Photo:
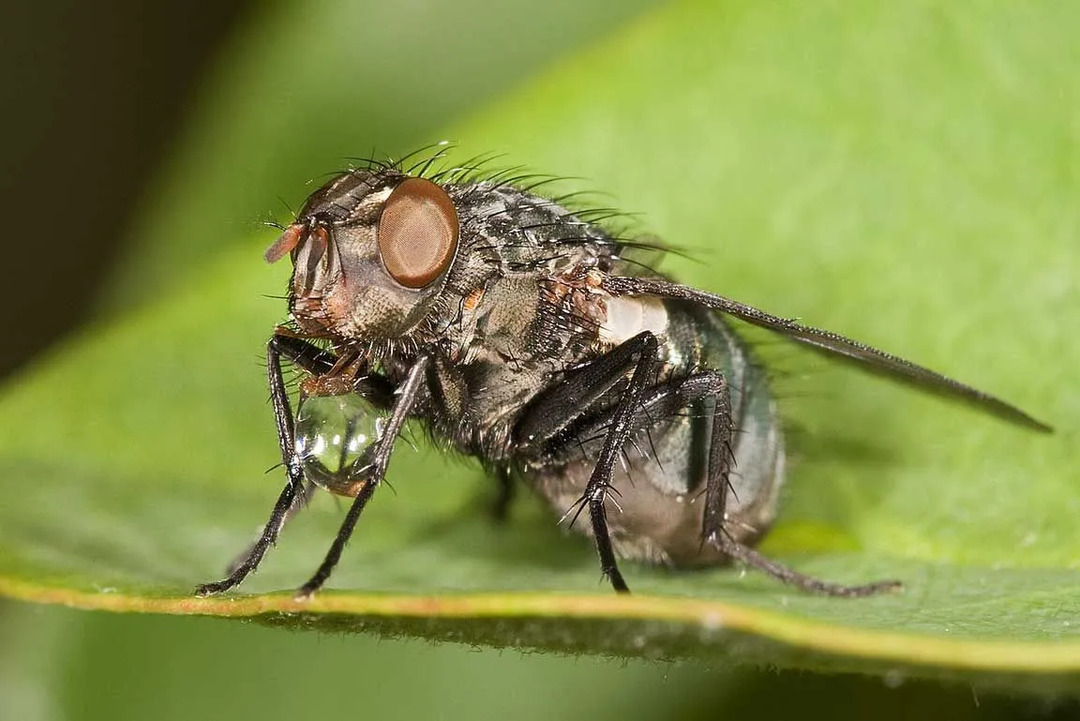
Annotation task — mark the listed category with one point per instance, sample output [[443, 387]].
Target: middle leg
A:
[[560, 409]]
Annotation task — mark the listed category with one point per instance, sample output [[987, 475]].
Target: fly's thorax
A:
[[531, 329], [560, 318]]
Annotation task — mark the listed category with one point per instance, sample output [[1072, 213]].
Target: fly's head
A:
[[371, 251]]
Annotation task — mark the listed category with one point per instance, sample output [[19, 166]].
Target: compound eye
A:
[[418, 232]]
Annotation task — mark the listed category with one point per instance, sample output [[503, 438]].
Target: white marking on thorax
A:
[[626, 317]]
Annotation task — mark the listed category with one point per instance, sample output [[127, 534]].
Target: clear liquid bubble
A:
[[335, 439]]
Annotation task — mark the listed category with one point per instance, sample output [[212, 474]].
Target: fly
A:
[[518, 332]]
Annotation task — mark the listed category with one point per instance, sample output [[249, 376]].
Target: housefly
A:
[[519, 332]]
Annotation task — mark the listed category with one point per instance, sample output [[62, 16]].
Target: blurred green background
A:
[[160, 133]]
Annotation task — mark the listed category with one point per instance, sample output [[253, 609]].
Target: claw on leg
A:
[[780, 572]]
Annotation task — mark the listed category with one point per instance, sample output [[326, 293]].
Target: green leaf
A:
[[905, 175]]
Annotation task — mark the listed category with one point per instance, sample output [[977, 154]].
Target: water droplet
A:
[[334, 437]]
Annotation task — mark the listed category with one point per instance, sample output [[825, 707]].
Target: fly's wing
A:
[[831, 344]]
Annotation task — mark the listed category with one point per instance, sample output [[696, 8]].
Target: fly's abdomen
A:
[[657, 506]]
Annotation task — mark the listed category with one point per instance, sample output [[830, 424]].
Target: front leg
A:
[[289, 501], [316, 362], [408, 394]]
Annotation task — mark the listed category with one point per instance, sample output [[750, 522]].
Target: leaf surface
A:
[[903, 175]]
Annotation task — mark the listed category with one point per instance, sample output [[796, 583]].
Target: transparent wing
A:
[[831, 343]]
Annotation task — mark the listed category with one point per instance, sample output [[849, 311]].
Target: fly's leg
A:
[[708, 391], [717, 487], [561, 407], [720, 430], [294, 497], [299, 503], [780, 572], [409, 393], [288, 501]]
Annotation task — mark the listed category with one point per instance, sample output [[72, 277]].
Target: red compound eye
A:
[[418, 232]]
